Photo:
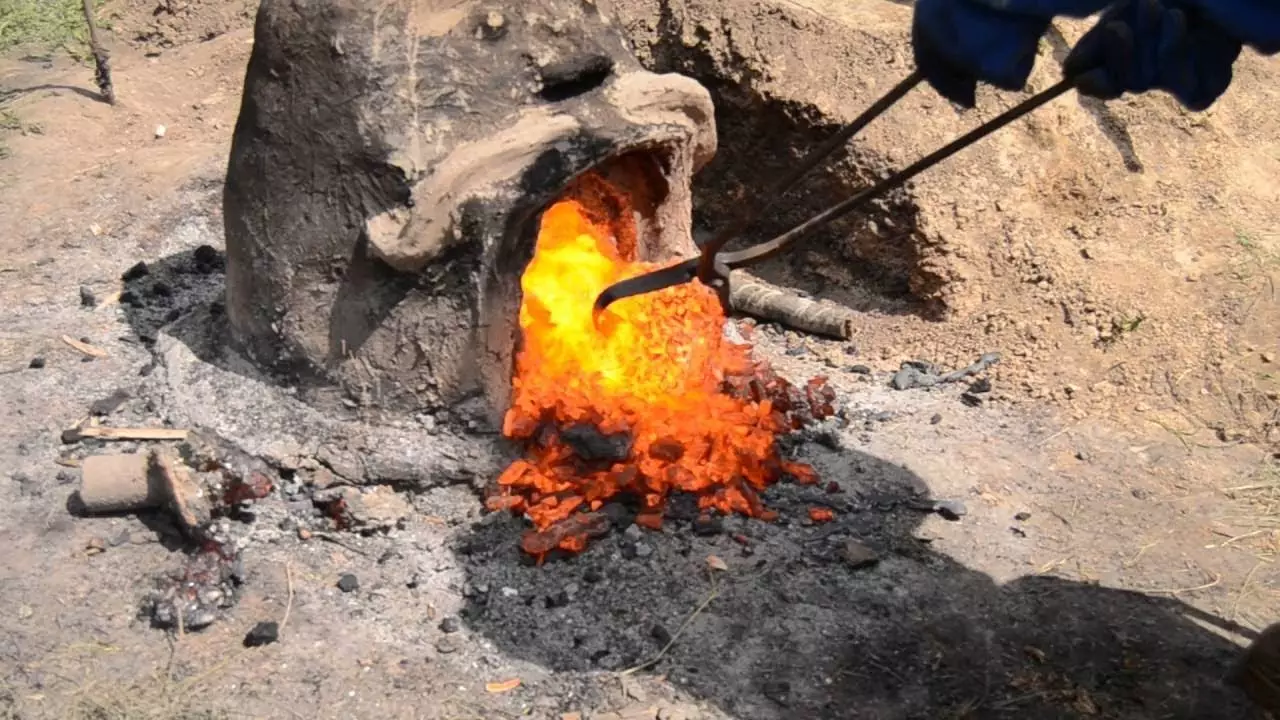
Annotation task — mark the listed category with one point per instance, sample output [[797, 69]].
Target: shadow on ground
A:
[[801, 628]]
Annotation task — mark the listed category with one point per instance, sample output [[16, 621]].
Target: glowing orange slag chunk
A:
[[651, 367]]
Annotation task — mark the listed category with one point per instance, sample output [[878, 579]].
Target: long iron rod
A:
[[805, 166], [687, 270]]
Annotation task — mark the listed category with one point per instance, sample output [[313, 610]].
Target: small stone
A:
[[139, 270], [983, 385], [1139, 493], [632, 533], [706, 525], [109, 404], [348, 583], [264, 633], [304, 534], [1022, 516], [643, 550], [778, 691], [883, 416], [160, 131], [120, 538], [1268, 357], [857, 555], [661, 634], [951, 510], [970, 399], [509, 592], [448, 644], [860, 369], [207, 259], [450, 625], [25, 611], [36, 363], [937, 418], [95, 546], [87, 298]]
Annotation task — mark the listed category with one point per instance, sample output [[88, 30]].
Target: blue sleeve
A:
[[1255, 23]]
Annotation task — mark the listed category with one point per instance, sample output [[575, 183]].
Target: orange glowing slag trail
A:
[[652, 369]]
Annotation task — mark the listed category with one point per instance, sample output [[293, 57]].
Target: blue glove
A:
[[958, 43], [1142, 45]]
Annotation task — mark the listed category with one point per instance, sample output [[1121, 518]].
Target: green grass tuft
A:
[[45, 25]]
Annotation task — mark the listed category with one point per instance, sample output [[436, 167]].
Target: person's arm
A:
[[1187, 48], [959, 43], [1255, 23]]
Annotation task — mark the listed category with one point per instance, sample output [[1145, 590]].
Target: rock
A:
[[36, 363], [160, 131], [87, 298], [679, 712], [348, 583], [661, 634], [707, 525], [910, 377], [937, 418], [1022, 516], [857, 555], [139, 270], [94, 546], [380, 508], [592, 445], [778, 691], [110, 404], [450, 625], [207, 259], [1268, 357], [448, 644], [860, 369], [951, 510], [643, 550], [982, 385], [970, 399], [264, 633]]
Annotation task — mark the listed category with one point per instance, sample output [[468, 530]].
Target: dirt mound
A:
[[157, 25], [1116, 253]]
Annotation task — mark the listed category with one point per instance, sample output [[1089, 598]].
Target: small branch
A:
[[101, 58], [715, 591], [288, 607], [752, 296]]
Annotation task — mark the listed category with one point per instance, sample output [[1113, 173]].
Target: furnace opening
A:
[[644, 402]]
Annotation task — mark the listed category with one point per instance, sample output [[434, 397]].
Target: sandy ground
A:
[[1120, 492]]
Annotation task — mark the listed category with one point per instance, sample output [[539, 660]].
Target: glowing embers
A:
[[646, 400]]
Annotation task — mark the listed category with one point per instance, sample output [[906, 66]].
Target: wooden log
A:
[[752, 296]]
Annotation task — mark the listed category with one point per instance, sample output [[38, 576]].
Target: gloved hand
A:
[[958, 43], [1142, 45]]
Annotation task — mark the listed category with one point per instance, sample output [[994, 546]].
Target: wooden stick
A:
[[101, 58], [752, 296], [84, 348], [137, 433]]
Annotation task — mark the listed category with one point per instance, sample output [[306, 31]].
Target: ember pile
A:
[[647, 400]]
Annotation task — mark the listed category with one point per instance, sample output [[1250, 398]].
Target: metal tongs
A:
[[712, 266]]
